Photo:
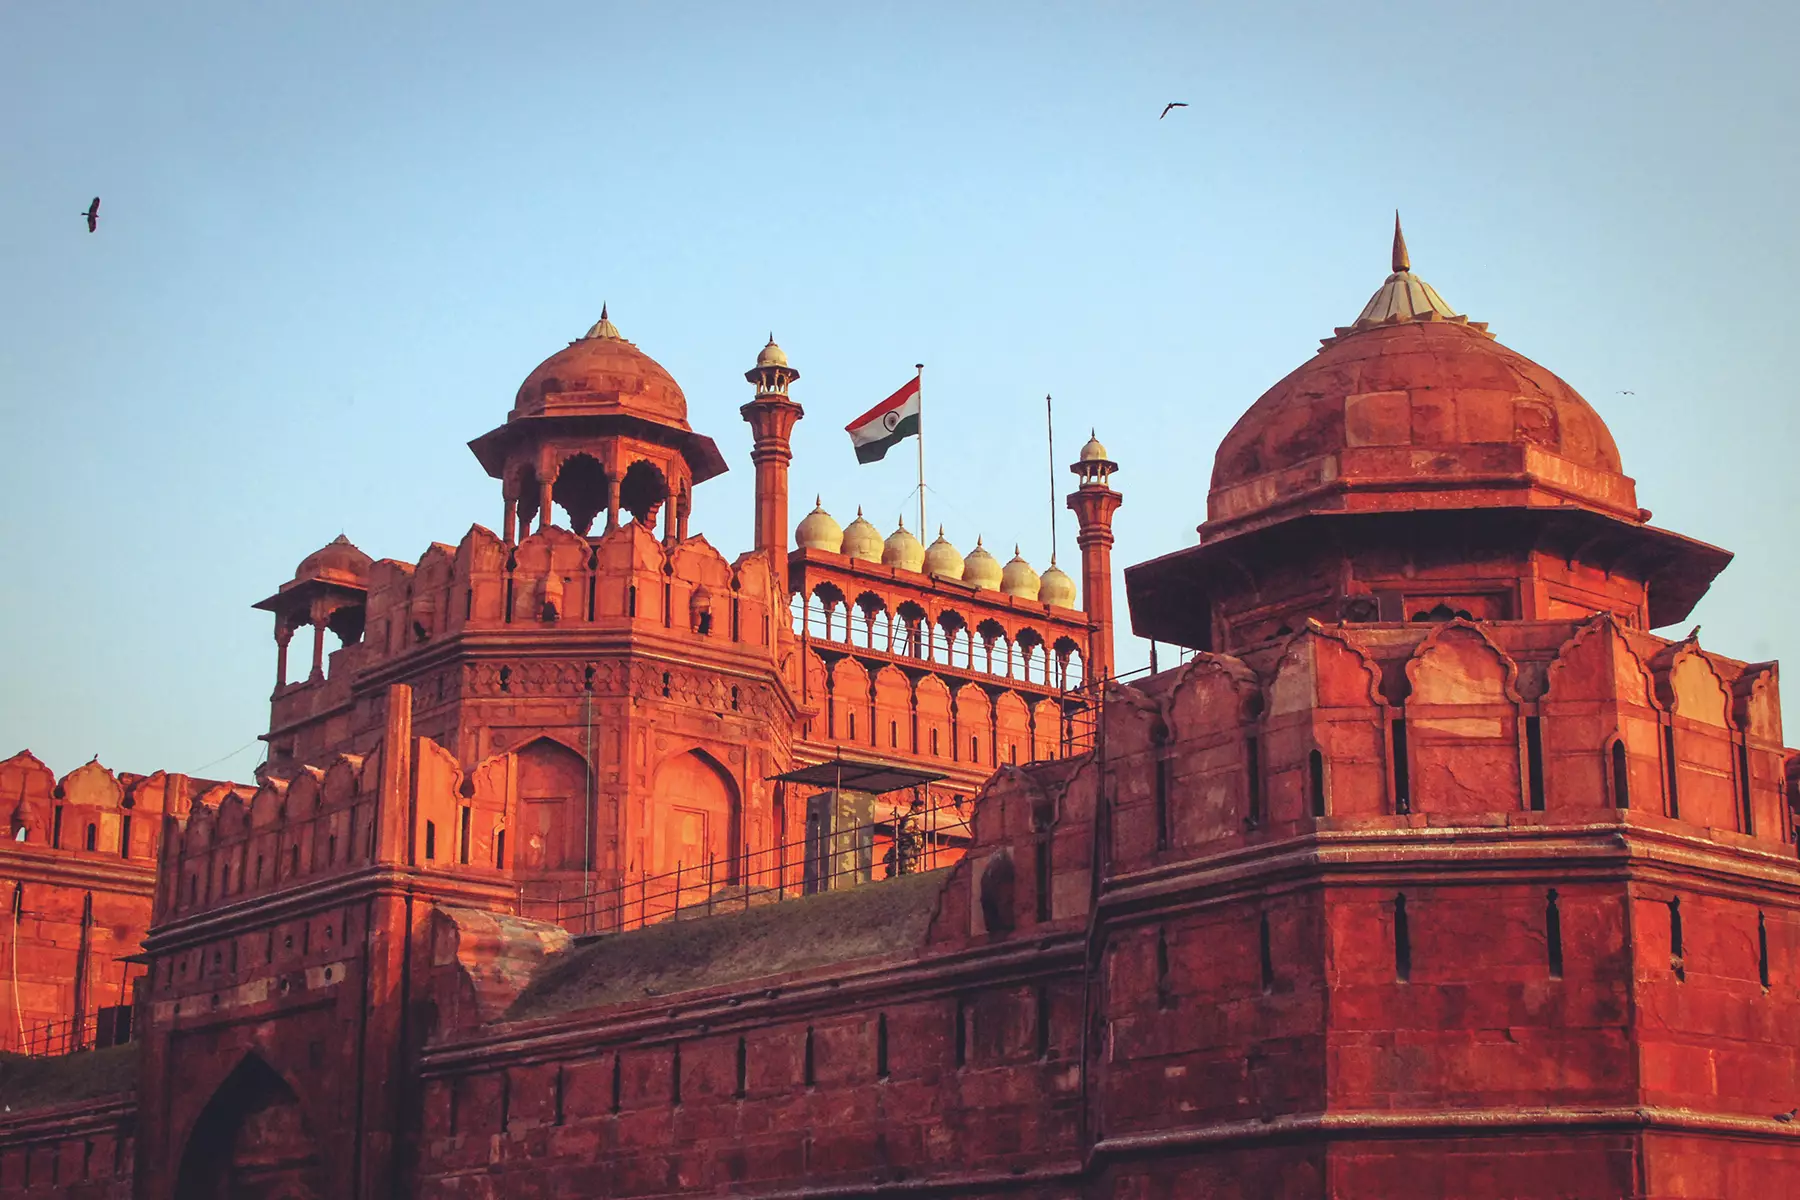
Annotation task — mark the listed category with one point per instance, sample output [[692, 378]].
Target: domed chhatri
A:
[[903, 550], [1093, 451], [819, 530], [981, 569], [1055, 586], [1018, 579], [1414, 406], [862, 540], [772, 355], [601, 372], [941, 558], [337, 562]]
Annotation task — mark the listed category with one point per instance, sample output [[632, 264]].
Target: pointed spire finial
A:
[[603, 303], [819, 500], [604, 328], [1401, 261]]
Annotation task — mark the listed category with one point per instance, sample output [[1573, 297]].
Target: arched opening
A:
[[581, 490], [643, 492], [693, 819], [553, 786], [251, 1140]]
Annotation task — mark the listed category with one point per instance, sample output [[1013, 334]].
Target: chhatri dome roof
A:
[[862, 540], [602, 373], [818, 530], [903, 550], [1055, 586], [339, 561], [1018, 579], [941, 558], [772, 355], [1414, 406], [981, 569]]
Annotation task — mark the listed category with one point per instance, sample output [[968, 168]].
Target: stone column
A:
[[284, 633]]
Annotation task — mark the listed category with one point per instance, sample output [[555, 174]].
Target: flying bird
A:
[[1172, 104], [1627, 393], [93, 215]]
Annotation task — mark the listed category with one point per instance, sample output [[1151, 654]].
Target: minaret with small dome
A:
[[1094, 502], [772, 416]]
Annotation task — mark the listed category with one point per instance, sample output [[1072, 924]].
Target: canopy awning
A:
[[858, 775]]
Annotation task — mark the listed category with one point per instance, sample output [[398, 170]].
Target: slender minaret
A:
[[1094, 503], [771, 416]]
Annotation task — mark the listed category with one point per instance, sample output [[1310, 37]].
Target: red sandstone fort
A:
[[594, 862]]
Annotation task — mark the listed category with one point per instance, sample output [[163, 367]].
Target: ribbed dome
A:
[[602, 373], [1018, 579], [1055, 587], [772, 355], [819, 530], [941, 558], [1093, 451], [903, 550], [981, 569], [337, 562], [862, 540], [1409, 408]]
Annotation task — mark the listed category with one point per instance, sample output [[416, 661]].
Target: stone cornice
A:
[[1618, 850]]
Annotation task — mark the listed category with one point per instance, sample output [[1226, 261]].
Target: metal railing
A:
[[829, 858], [108, 1026]]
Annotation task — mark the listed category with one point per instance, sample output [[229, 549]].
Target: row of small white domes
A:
[[861, 540]]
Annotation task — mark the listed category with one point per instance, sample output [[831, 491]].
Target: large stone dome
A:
[[602, 373], [1410, 408]]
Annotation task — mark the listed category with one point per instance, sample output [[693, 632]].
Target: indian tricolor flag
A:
[[877, 430]]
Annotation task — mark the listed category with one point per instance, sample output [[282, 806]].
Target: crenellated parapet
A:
[[79, 868], [1430, 724]]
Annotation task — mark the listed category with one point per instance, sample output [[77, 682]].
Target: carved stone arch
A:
[[1437, 674], [582, 487], [252, 1138], [553, 783], [694, 817], [643, 490]]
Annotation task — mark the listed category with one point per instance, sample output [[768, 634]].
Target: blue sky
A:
[[335, 238]]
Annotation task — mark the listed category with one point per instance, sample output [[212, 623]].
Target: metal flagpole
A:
[[1050, 432], [921, 369]]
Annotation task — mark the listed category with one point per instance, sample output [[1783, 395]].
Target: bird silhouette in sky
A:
[[1172, 104], [93, 215], [1627, 393]]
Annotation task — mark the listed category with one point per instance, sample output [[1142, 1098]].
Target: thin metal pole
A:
[[1050, 437], [922, 527]]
